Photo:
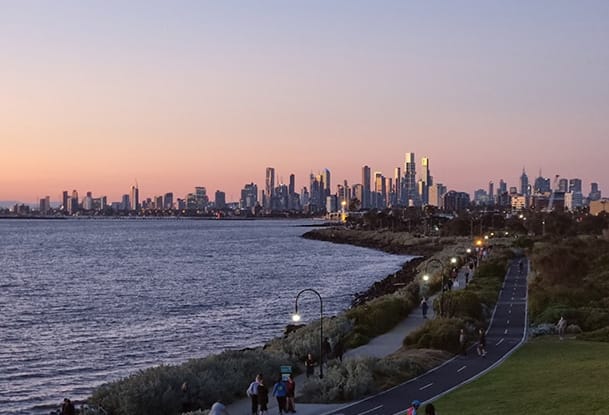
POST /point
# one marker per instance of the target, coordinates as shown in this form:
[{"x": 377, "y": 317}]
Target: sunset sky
[{"x": 97, "y": 94}]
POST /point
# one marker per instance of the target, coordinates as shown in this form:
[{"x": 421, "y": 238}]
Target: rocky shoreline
[{"x": 390, "y": 242}]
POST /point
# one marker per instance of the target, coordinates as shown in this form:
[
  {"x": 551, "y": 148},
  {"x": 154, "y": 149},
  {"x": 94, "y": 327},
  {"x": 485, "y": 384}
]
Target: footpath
[{"x": 378, "y": 347}]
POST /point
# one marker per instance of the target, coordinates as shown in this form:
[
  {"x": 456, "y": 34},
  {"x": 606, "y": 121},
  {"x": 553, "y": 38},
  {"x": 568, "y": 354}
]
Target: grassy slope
[{"x": 545, "y": 376}]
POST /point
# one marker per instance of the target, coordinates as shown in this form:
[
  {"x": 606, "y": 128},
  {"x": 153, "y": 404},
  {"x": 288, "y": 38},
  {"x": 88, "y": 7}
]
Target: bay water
[{"x": 88, "y": 301}]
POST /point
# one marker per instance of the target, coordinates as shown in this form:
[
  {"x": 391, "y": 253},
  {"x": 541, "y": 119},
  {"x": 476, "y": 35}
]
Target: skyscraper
[
  {"x": 524, "y": 183},
  {"x": 366, "y": 187},
  {"x": 135, "y": 197},
  {"x": 326, "y": 179},
  {"x": 491, "y": 192},
  {"x": 409, "y": 191},
  {"x": 269, "y": 188},
  {"x": 397, "y": 183},
  {"x": 426, "y": 179}
]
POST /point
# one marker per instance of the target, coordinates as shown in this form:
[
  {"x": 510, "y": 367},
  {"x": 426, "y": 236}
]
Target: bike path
[{"x": 507, "y": 331}]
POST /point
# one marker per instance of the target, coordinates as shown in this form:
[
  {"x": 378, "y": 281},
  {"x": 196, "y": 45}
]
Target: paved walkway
[{"x": 379, "y": 347}]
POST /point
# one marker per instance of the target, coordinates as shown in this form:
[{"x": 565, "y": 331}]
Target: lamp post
[
  {"x": 453, "y": 260},
  {"x": 296, "y": 318}
]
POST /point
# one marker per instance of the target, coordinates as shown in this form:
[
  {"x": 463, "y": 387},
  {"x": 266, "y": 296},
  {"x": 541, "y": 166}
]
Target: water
[{"x": 84, "y": 302}]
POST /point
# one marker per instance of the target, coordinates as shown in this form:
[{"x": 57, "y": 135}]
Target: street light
[
  {"x": 296, "y": 318},
  {"x": 442, "y": 270}
]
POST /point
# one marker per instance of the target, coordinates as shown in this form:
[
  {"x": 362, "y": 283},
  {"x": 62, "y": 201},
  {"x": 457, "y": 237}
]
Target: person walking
[
  {"x": 424, "y": 307},
  {"x": 280, "y": 392},
  {"x": 414, "y": 407},
  {"x": 561, "y": 326},
  {"x": 309, "y": 364},
  {"x": 252, "y": 392},
  {"x": 291, "y": 392},
  {"x": 67, "y": 408},
  {"x": 462, "y": 342},
  {"x": 263, "y": 397},
  {"x": 339, "y": 349},
  {"x": 430, "y": 409},
  {"x": 481, "y": 343}
]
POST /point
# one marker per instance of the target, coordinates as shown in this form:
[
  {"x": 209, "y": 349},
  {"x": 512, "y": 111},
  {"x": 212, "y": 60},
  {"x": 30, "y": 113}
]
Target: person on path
[
  {"x": 462, "y": 342},
  {"x": 67, "y": 408},
  {"x": 186, "y": 398},
  {"x": 280, "y": 392},
  {"x": 561, "y": 326},
  {"x": 414, "y": 407},
  {"x": 424, "y": 307},
  {"x": 218, "y": 408},
  {"x": 520, "y": 267},
  {"x": 309, "y": 364},
  {"x": 481, "y": 343},
  {"x": 252, "y": 392},
  {"x": 430, "y": 409},
  {"x": 291, "y": 392},
  {"x": 263, "y": 397}
]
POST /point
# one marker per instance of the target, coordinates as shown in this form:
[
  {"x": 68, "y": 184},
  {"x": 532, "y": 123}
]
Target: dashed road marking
[
  {"x": 461, "y": 369},
  {"x": 505, "y": 332},
  {"x": 508, "y": 322},
  {"x": 500, "y": 341},
  {"x": 426, "y": 386},
  {"x": 371, "y": 410}
]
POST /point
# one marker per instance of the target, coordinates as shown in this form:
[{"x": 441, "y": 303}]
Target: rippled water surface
[{"x": 83, "y": 302}]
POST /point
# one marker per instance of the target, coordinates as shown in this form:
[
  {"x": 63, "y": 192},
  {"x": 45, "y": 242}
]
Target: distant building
[
  {"x": 519, "y": 202},
  {"x": 135, "y": 198},
  {"x": 366, "y": 190},
  {"x": 45, "y": 206},
  {"x": 598, "y": 206},
  {"x": 168, "y": 201},
  {"x": 220, "y": 199},
  {"x": 595, "y": 193},
  {"x": 249, "y": 196},
  {"x": 524, "y": 183},
  {"x": 456, "y": 201}
]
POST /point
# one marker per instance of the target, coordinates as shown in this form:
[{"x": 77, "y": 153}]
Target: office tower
[
  {"x": 502, "y": 187},
  {"x": 87, "y": 201},
  {"x": 575, "y": 185},
  {"x": 456, "y": 201},
  {"x": 292, "y": 185},
  {"x": 73, "y": 202},
  {"x": 595, "y": 193},
  {"x": 563, "y": 185},
  {"x": 158, "y": 202},
  {"x": 390, "y": 194},
  {"x": 220, "y": 199},
  {"x": 249, "y": 196},
  {"x": 366, "y": 188},
  {"x": 64, "y": 201},
  {"x": 45, "y": 205},
  {"x": 397, "y": 183},
  {"x": 358, "y": 195},
  {"x": 168, "y": 200},
  {"x": 542, "y": 185},
  {"x": 409, "y": 190},
  {"x": 426, "y": 179},
  {"x": 326, "y": 182},
  {"x": 524, "y": 183},
  {"x": 135, "y": 197},
  {"x": 269, "y": 188},
  {"x": 491, "y": 192},
  {"x": 379, "y": 191},
  {"x": 436, "y": 195},
  {"x": 201, "y": 199},
  {"x": 125, "y": 204}
]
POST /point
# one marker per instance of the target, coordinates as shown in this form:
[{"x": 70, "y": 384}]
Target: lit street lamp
[
  {"x": 296, "y": 318},
  {"x": 453, "y": 260}
]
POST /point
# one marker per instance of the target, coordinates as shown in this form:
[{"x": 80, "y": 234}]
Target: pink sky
[{"x": 93, "y": 98}]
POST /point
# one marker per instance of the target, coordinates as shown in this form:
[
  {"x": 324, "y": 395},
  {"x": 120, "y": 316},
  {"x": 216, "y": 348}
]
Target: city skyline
[{"x": 99, "y": 95}]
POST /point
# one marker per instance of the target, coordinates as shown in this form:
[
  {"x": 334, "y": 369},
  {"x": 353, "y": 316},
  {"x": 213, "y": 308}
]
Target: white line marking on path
[
  {"x": 508, "y": 322},
  {"x": 371, "y": 410},
  {"x": 505, "y": 332},
  {"x": 426, "y": 386},
  {"x": 460, "y": 370},
  {"x": 509, "y": 311},
  {"x": 512, "y": 298},
  {"x": 499, "y": 342}
]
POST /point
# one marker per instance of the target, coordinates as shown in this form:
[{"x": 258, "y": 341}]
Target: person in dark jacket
[
  {"x": 263, "y": 397},
  {"x": 67, "y": 408},
  {"x": 481, "y": 343},
  {"x": 291, "y": 392}
]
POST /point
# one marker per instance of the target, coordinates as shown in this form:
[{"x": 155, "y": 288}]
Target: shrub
[
  {"x": 381, "y": 314},
  {"x": 463, "y": 303},
  {"x": 600, "y": 335},
  {"x": 157, "y": 390},
  {"x": 440, "y": 333}
]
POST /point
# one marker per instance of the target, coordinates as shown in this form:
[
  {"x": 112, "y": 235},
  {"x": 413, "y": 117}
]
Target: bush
[
  {"x": 440, "y": 333},
  {"x": 463, "y": 304},
  {"x": 381, "y": 314},
  {"x": 600, "y": 335},
  {"x": 157, "y": 390}
]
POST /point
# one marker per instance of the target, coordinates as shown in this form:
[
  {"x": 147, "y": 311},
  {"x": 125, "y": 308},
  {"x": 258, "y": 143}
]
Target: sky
[{"x": 97, "y": 95}]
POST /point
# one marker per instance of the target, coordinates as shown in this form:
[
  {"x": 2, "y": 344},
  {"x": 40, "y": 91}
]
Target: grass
[{"x": 545, "y": 376}]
